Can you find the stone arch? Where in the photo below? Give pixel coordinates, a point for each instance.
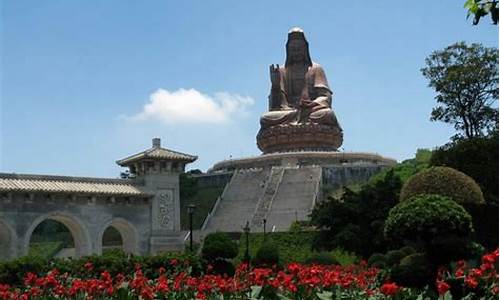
(8, 241)
(128, 232)
(76, 227)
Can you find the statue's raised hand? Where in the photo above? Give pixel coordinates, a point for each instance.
(275, 75)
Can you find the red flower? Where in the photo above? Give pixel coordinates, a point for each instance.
(442, 287)
(89, 266)
(471, 282)
(389, 289)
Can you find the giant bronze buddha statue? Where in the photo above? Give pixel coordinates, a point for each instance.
(300, 116)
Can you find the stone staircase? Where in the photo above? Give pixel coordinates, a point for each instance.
(239, 200)
(280, 195)
(295, 197)
(267, 198)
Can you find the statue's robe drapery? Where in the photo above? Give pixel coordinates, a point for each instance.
(284, 106)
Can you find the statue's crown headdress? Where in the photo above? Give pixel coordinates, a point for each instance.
(296, 33)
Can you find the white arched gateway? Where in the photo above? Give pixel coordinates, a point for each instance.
(143, 208)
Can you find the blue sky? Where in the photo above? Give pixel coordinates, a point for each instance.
(85, 83)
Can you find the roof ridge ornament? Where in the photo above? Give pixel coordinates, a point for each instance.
(156, 142)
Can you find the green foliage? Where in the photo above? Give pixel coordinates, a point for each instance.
(393, 257)
(52, 231)
(485, 221)
(355, 222)
(45, 250)
(413, 271)
(466, 82)
(407, 250)
(321, 258)
(292, 246)
(427, 218)
(268, 255)
(298, 226)
(187, 185)
(343, 257)
(481, 8)
(476, 157)
(403, 171)
(12, 272)
(218, 246)
(204, 198)
(443, 181)
(111, 237)
(222, 267)
(377, 260)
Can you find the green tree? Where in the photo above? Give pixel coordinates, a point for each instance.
(477, 157)
(466, 81)
(434, 224)
(481, 8)
(355, 222)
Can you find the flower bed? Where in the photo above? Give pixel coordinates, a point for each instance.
(295, 281)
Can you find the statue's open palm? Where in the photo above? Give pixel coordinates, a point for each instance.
(275, 75)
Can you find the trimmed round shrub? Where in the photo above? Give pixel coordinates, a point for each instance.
(425, 218)
(219, 246)
(443, 181)
(413, 271)
(267, 255)
(407, 250)
(443, 250)
(223, 267)
(321, 258)
(377, 260)
(393, 257)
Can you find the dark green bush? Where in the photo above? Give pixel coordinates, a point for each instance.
(476, 157)
(425, 218)
(267, 255)
(393, 257)
(222, 267)
(321, 258)
(485, 221)
(413, 271)
(377, 260)
(407, 250)
(218, 246)
(443, 181)
(445, 249)
(355, 222)
(12, 272)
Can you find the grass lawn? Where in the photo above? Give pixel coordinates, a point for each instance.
(292, 247)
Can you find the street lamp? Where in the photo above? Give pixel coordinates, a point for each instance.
(191, 208)
(264, 222)
(247, 252)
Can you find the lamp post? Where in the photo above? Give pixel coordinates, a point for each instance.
(247, 251)
(264, 222)
(191, 208)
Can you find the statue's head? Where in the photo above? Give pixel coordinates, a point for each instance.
(297, 48)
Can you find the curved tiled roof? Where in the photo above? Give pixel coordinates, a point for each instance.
(157, 153)
(67, 184)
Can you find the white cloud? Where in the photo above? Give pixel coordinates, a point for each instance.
(191, 106)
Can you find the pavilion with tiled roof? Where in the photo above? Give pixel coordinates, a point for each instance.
(156, 159)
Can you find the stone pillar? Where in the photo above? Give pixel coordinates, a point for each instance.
(165, 212)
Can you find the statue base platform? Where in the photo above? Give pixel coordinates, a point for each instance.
(304, 158)
(299, 137)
